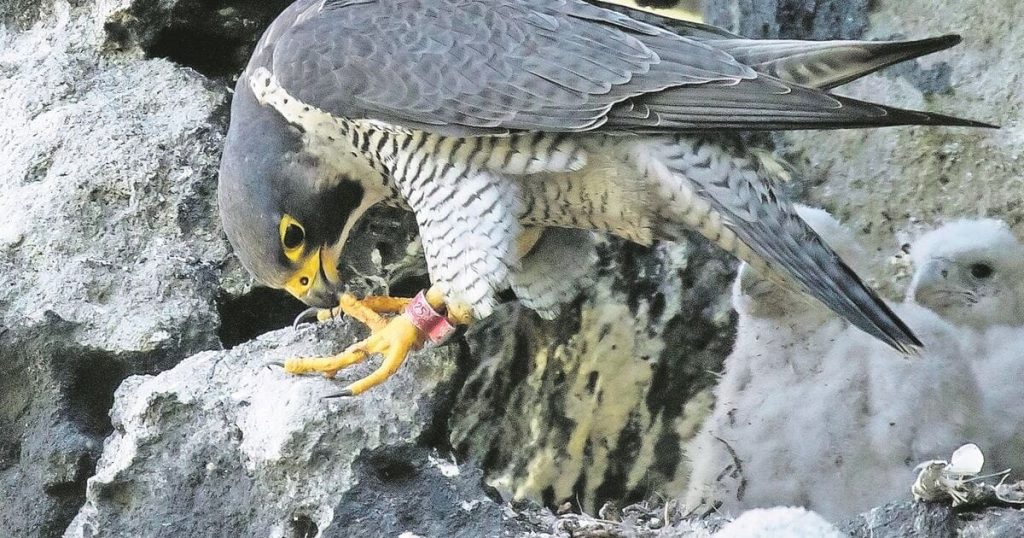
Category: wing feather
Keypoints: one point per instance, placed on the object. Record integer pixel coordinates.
(465, 67)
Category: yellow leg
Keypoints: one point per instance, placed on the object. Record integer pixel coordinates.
(361, 309)
(393, 338)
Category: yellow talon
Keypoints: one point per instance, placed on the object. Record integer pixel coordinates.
(393, 338)
(394, 341)
(360, 311)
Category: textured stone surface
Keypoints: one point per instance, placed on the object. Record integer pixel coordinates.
(224, 445)
(993, 523)
(110, 253)
(935, 520)
(904, 520)
(112, 261)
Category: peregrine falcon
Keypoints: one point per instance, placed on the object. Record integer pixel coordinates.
(501, 122)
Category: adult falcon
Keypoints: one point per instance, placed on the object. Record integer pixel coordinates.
(507, 127)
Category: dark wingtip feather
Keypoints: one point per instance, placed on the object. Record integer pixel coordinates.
(892, 116)
(891, 329)
(928, 45)
(848, 295)
(914, 117)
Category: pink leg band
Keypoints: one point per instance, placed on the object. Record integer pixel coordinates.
(435, 326)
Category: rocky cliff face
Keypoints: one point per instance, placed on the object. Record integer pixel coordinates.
(113, 269)
(112, 263)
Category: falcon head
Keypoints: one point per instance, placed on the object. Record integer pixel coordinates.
(970, 272)
(285, 217)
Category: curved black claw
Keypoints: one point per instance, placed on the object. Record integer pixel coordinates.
(310, 312)
(270, 365)
(345, 393)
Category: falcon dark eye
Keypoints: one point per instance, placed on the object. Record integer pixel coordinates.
(981, 270)
(293, 236)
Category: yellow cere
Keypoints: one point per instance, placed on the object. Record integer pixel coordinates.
(300, 281)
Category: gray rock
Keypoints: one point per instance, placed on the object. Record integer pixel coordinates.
(904, 520)
(224, 445)
(111, 259)
(936, 520)
(794, 19)
(993, 523)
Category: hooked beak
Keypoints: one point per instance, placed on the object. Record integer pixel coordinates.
(932, 286)
(929, 277)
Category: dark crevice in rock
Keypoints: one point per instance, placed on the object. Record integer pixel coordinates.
(389, 468)
(10, 453)
(89, 392)
(213, 37)
(398, 490)
(260, 311)
(302, 526)
(190, 46)
(613, 484)
(547, 497)
(46, 378)
(73, 487)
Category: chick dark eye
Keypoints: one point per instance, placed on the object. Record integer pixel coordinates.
(293, 236)
(981, 270)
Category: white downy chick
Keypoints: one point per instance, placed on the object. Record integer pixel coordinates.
(779, 341)
(805, 404)
(971, 272)
(779, 522)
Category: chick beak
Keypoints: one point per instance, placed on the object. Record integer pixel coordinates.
(933, 274)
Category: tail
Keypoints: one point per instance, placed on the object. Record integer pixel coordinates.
(826, 64)
(726, 197)
(817, 64)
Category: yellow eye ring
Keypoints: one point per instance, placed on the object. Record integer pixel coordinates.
(293, 237)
